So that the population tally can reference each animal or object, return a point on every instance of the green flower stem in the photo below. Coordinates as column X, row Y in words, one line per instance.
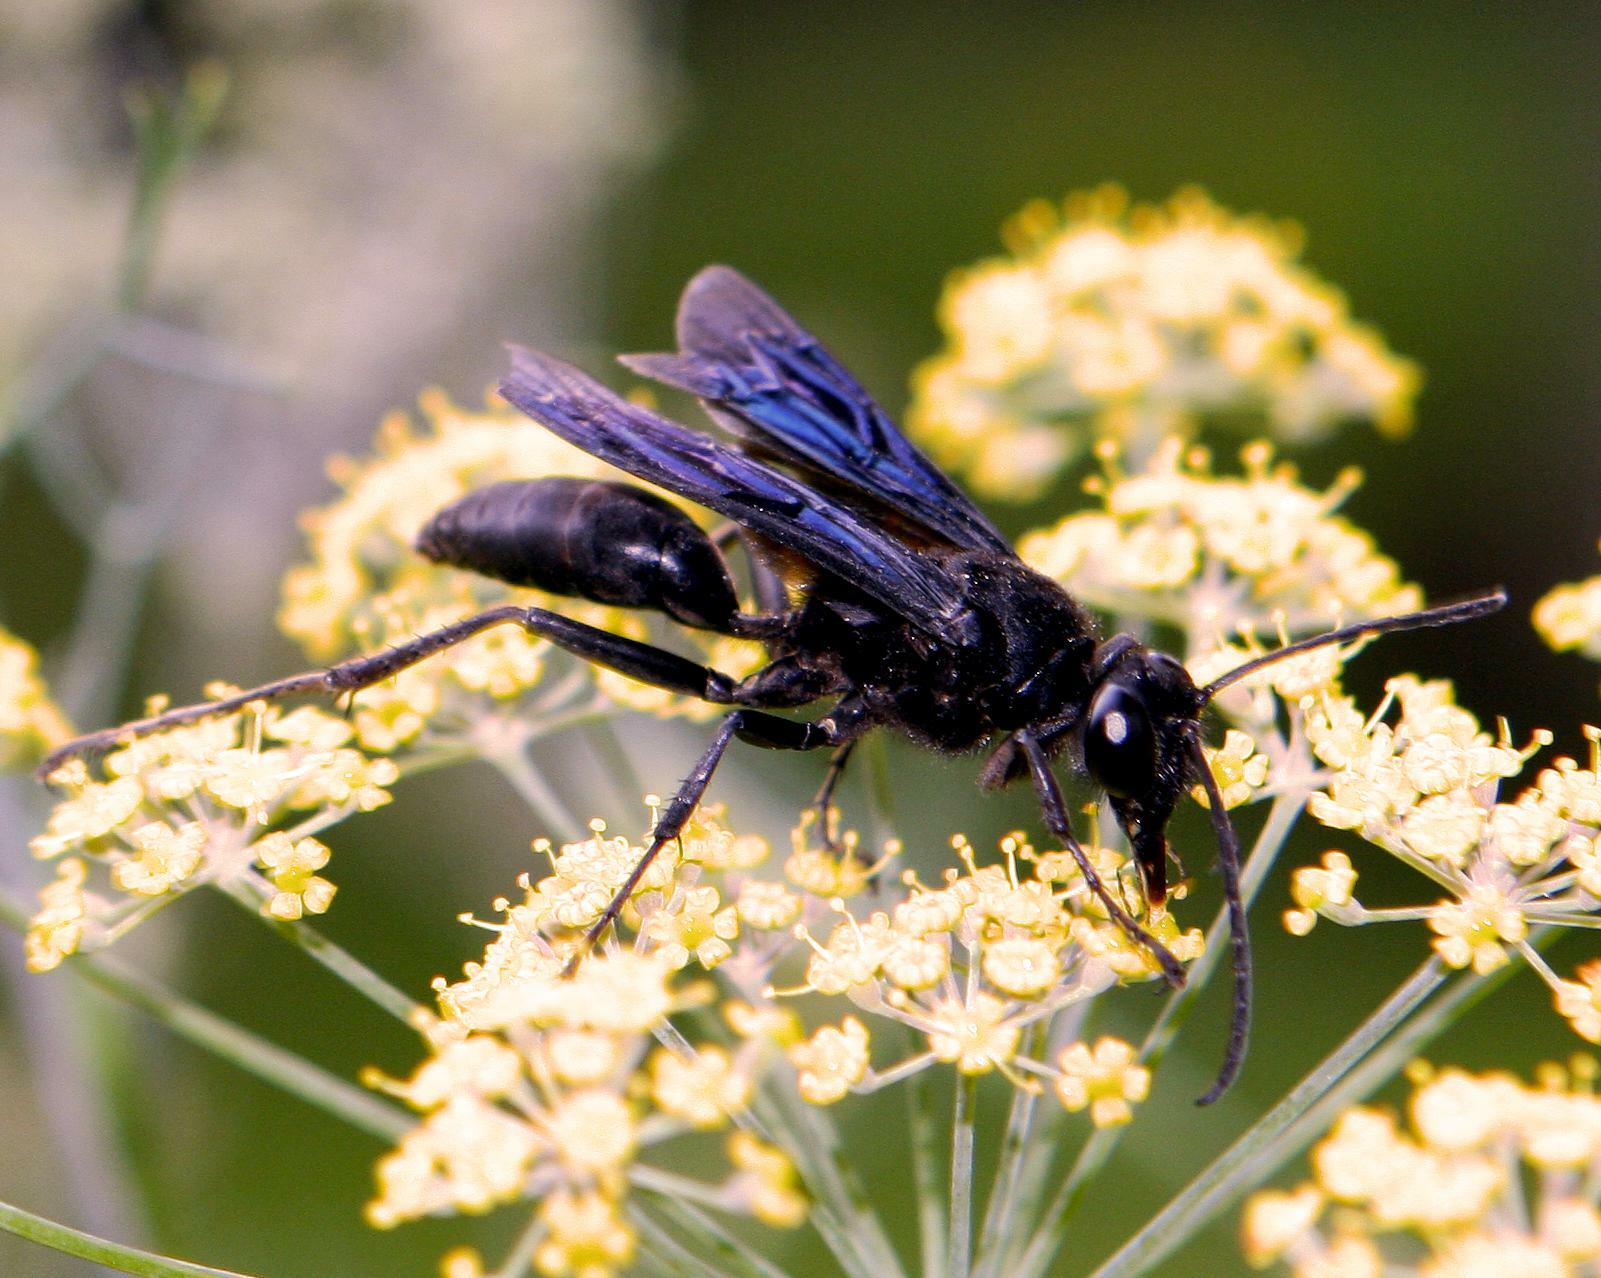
column 1379, row 1067
column 841, row 1210
column 74, row 1242
column 716, row 1243
column 931, row 1208
column 250, row 896
column 667, row 1253
column 1052, row 1224
column 545, row 804
column 168, row 131
column 1004, row 1202
column 617, row 766
column 959, row 1247
column 1389, row 1060
column 1221, row 1180
column 517, row 1260
column 268, row 1062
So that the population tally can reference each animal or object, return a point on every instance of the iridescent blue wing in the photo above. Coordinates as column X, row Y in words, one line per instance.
column 767, row 377
column 752, row 493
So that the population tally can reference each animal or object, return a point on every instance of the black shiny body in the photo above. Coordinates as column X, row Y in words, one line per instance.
column 609, row 542
column 1028, row 648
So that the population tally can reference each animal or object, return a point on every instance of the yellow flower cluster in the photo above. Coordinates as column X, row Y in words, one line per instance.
column 1491, row 1177
column 232, row 801
column 543, row 1085
column 365, row 586
column 1136, row 324
column 30, row 723
column 1425, row 789
column 976, row 968
column 1213, row 554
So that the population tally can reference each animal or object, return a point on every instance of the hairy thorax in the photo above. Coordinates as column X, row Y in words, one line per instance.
column 1027, row 654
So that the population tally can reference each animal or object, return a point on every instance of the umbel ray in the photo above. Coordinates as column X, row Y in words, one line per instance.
column 876, row 583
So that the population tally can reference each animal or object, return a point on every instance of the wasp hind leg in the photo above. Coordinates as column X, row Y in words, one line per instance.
column 640, row 661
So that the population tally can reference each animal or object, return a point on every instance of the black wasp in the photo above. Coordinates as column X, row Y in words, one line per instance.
column 876, row 583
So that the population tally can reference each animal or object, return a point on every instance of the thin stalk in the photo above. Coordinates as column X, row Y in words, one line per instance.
column 931, row 1206
column 76, row 1065
column 535, row 791
column 515, row 1265
column 668, row 1251
column 343, row 964
column 121, row 559
column 841, row 1211
column 1382, row 1065
column 168, row 132
column 54, row 378
column 251, row 1053
column 959, row 1251
column 1103, row 1141
column 615, row 763
column 1209, row 1191
column 1003, row 1203
column 74, row 1242
column 740, row 1257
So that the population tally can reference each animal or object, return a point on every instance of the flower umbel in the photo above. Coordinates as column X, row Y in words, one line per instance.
column 365, row 586
column 543, row 1084
column 232, row 801
column 1139, row 324
column 1425, row 788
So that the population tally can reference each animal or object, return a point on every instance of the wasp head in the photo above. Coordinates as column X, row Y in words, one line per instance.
column 1136, row 737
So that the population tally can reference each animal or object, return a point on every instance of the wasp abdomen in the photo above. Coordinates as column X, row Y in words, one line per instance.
column 609, row 542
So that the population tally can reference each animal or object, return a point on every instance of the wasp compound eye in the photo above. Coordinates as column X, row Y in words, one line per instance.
column 1119, row 745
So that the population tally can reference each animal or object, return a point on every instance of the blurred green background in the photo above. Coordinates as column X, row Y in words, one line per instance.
column 395, row 188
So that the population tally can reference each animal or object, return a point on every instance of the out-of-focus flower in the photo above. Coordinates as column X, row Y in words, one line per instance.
column 1137, row 325
column 1569, row 617
column 1105, row 1077
column 30, row 723
column 1493, row 1177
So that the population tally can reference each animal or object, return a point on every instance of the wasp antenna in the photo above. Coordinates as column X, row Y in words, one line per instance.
column 1443, row 615
column 1228, row 861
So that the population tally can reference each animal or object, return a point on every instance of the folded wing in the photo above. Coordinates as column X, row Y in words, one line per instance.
column 767, row 377
column 754, row 494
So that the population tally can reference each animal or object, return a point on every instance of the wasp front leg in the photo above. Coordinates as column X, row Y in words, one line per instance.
column 1056, row 820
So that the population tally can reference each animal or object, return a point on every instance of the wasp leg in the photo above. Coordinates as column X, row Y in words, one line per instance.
column 636, row 660
column 1056, row 819
column 822, row 804
column 765, row 730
